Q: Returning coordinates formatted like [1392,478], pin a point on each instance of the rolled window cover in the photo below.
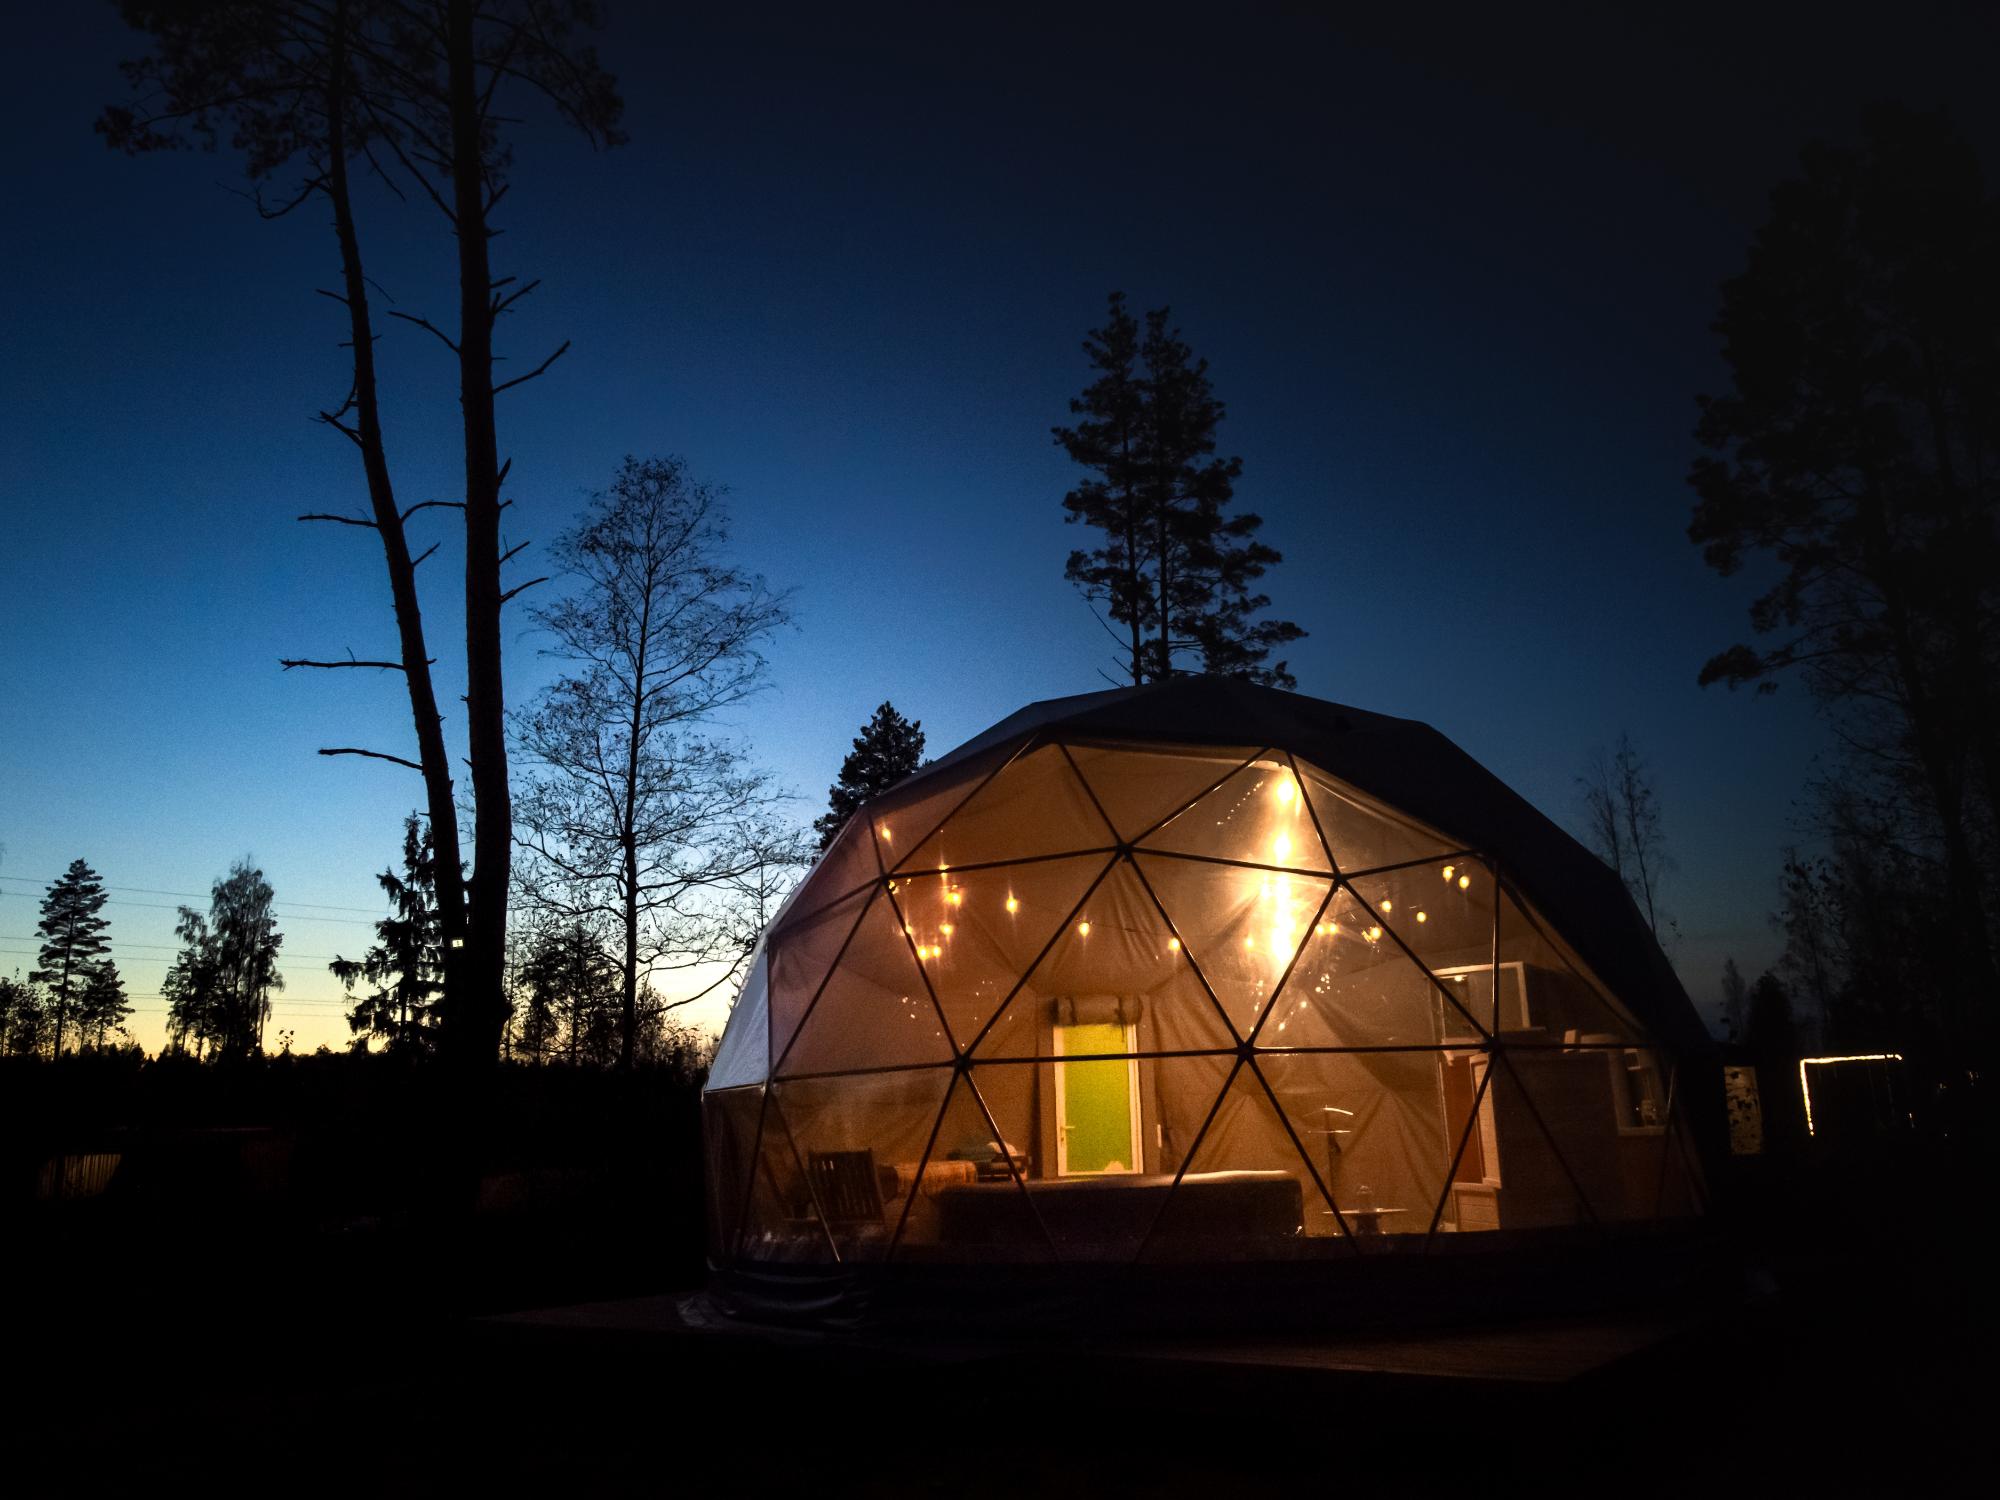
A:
[1098,1010]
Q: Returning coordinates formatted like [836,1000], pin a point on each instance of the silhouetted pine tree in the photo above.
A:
[406,965]
[1176,569]
[888,748]
[101,1008]
[73,940]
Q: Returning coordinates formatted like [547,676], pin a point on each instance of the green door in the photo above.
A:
[1096,1122]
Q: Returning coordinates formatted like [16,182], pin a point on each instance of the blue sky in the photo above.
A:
[1453,280]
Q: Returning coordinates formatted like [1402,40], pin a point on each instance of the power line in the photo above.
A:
[146,890]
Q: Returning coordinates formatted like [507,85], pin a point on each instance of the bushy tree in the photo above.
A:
[218,988]
[102,1008]
[570,983]
[23,1017]
[1174,569]
[405,968]
[1855,459]
[73,942]
[888,749]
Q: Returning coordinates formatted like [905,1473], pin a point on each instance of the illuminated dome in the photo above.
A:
[1191,973]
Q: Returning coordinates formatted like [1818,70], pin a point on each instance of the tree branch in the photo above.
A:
[428,326]
[507,385]
[343,520]
[372,755]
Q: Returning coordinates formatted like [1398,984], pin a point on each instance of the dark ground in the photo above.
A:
[260,1344]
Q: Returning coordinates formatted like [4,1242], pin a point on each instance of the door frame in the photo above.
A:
[1138,1151]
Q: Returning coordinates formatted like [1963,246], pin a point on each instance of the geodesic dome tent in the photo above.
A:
[1197,972]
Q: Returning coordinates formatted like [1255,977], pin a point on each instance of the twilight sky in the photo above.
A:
[1453,279]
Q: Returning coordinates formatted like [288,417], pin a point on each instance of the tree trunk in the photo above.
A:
[477,1025]
[448,877]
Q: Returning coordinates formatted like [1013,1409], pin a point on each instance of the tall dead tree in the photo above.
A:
[414,91]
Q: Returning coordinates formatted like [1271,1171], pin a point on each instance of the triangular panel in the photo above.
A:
[1442,913]
[1565,1004]
[1363,834]
[851,863]
[801,955]
[978,933]
[1258,815]
[1117,959]
[1247,1193]
[1374,1127]
[1035,806]
[1555,1141]
[902,819]
[1241,926]
[1141,787]
[1353,986]
[862,1140]
[1107,1216]
[780,1221]
[972,1198]
[875,1010]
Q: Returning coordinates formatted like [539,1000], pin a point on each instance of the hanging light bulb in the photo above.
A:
[1374,934]
[1449,870]
[885,834]
[947,928]
[1012,906]
[1174,944]
[1388,906]
[956,897]
[1422,916]
[1465,882]
[1083,929]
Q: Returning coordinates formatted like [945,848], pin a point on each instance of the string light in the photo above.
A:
[1449,871]
[1388,906]
[1174,944]
[1012,906]
[1422,916]
[885,836]
[1083,929]
[956,898]
[947,929]
[1374,934]
[1465,882]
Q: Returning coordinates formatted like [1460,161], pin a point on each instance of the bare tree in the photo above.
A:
[636,810]
[1622,825]
[415,93]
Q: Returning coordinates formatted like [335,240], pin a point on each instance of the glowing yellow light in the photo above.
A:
[1422,916]
[956,897]
[1012,906]
[909,931]
[1250,941]
[1465,882]
[1449,870]
[1805,1088]
[1083,929]
[1285,790]
[1282,847]
[1374,934]
[1174,944]
[946,927]
[1388,906]
[885,836]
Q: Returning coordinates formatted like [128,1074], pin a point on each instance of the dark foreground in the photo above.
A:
[331,1334]
[1857,1375]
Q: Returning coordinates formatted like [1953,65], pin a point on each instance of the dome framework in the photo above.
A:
[1073,996]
